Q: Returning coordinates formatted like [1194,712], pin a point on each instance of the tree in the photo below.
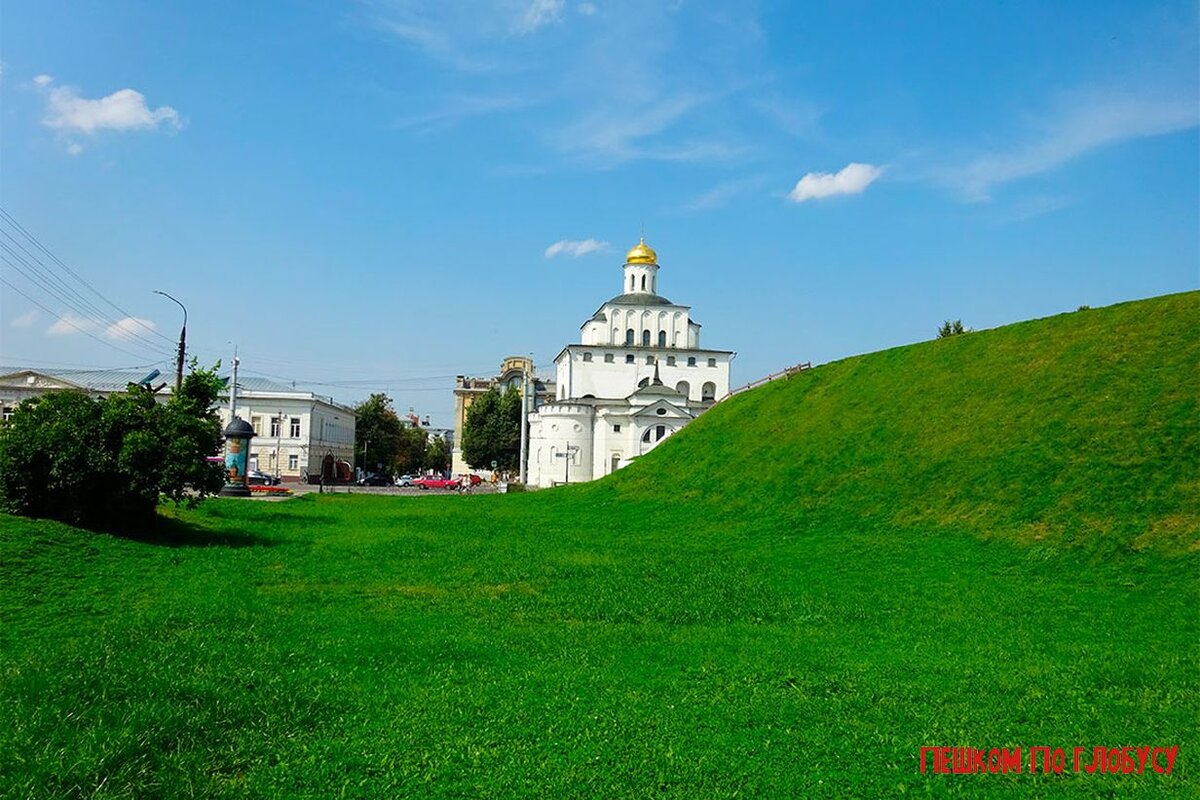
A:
[949,328]
[378,434]
[437,455]
[107,462]
[414,444]
[492,430]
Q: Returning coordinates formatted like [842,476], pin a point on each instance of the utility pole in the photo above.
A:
[524,421]
[182,342]
[278,431]
[233,387]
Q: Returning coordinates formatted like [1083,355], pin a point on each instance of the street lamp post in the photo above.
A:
[182,341]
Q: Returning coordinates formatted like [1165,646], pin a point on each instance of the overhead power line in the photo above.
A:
[77,298]
[68,321]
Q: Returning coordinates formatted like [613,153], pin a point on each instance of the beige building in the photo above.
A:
[512,372]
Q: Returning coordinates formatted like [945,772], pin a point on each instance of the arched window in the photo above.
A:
[662,338]
[654,284]
[587,356]
[659,432]
[683,388]
[629,334]
[691,361]
[709,391]
[645,338]
[646,435]
[631,283]
[643,283]
[643,382]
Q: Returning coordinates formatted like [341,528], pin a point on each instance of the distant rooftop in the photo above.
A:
[115,380]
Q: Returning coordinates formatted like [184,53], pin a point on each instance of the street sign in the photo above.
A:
[494,465]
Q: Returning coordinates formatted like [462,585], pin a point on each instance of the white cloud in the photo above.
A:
[610,134]
[1088,124]
[793,117]
[539,14]
[25,320]
[722,193]
[74,148]
[460,109]
[854,178]
[598,108]
[125,329]
[70,323]
[574,247]
[122,110]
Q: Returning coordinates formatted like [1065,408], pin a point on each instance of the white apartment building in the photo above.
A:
[297,433]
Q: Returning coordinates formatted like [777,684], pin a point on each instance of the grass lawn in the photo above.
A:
[986,541]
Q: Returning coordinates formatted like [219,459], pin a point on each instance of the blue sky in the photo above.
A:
[363,195]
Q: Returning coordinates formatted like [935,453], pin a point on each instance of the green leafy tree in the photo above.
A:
[378,434]
[414,444]
[492,430]
[107,462]
[437,455]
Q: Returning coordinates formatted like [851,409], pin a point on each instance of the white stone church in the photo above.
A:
[637,376]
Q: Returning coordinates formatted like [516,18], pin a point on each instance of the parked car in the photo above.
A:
[473,478]
[404,480]
[436,483]
[374,479]
[256,478]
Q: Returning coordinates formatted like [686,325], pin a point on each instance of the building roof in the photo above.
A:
[116,380]
[641,253]
[260,387]
[94,380]
[639,299]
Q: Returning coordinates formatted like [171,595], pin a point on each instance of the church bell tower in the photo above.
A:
[641,270]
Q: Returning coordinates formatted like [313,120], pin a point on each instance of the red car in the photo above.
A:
[435,483]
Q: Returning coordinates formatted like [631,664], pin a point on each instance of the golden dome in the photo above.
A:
[641,254]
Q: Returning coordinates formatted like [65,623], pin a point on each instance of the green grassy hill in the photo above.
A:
[984,541]
[1081,428]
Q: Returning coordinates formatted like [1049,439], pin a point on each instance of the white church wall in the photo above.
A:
[615,436]
[579,376]
[560,428]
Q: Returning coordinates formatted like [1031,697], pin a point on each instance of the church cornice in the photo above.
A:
[648,349]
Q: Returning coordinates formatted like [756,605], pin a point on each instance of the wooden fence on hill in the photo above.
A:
[785,374]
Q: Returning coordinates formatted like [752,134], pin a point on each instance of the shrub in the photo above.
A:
[949,328]
[107,462]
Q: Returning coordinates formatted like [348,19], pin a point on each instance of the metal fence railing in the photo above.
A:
[787,373]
